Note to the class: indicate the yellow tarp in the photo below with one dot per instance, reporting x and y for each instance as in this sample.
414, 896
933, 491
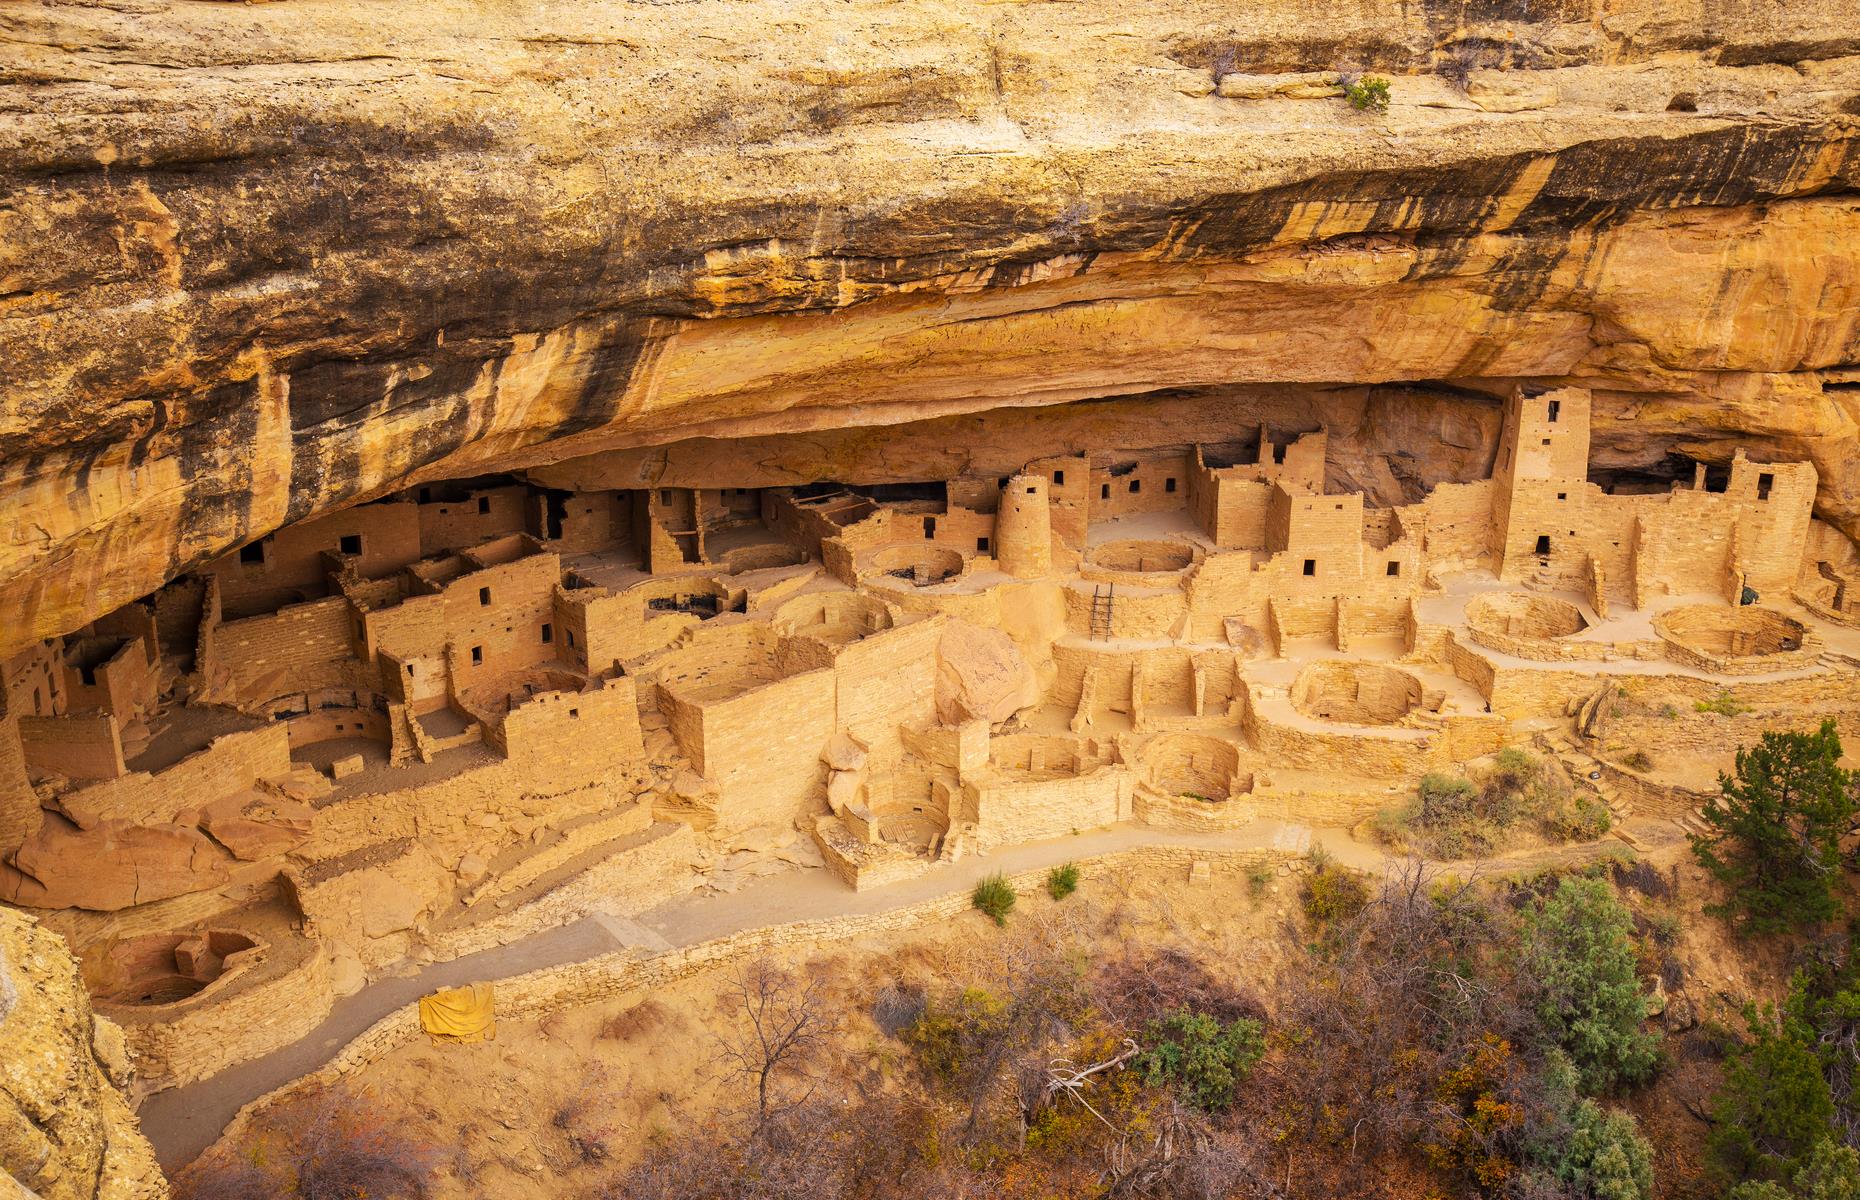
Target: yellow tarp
459, 1014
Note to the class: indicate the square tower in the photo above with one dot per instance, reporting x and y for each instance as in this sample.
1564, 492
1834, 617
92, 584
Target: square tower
1540, 483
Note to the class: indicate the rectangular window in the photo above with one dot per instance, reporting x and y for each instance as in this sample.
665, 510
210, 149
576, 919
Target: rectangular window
571, 639
1394, 569
1543, 545
1764, 482
1168, 485
1546, 441
484, 505
1562, 495
1104, 491
1059, 479
409, 668
253, 555
351, 543
548, 633
929, 527
665, 495
1556, 406
477, 656
1136, 485
981, 545
1311, 566
1032, 490
484, 595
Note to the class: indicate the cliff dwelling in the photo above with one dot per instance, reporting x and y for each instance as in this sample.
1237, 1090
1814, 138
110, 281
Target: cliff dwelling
418, 725
555, 503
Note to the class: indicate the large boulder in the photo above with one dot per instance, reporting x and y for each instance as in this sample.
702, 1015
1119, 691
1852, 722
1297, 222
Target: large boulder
981, 675
112, 865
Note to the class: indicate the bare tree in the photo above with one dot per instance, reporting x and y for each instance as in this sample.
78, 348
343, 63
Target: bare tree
780, 1021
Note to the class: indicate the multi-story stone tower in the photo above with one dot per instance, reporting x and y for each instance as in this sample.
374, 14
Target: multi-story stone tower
1024, 528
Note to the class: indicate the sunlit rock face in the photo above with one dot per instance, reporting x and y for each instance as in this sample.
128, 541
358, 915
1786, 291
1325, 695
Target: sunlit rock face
257, 262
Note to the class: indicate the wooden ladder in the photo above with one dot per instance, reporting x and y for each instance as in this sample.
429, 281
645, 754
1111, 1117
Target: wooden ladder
1102, 600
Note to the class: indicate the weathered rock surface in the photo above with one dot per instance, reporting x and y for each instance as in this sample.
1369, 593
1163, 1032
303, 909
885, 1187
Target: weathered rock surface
981, 675
260, 261
66, 1132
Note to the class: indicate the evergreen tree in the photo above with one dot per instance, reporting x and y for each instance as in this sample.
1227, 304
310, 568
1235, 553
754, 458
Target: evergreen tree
1579, 962
1776, 829
1832, 1173
1774, 1107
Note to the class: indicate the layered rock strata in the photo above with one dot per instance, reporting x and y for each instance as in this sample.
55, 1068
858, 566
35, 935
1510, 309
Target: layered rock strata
257, 262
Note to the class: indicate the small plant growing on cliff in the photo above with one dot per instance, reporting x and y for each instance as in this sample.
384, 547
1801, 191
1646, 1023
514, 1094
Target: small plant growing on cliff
1332, 893
1637, 760
1724, 704
994, 896
1366, 93
1062, 881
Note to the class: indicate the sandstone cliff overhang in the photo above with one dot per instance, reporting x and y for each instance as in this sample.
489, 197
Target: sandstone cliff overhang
257, 262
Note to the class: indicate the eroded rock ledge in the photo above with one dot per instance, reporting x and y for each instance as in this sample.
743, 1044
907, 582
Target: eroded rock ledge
257, 262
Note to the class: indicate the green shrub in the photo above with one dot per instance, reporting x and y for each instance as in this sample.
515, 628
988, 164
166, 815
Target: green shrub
1394, 827
1509, 785
1445, 800
994, 896
1200, 1057
1578, 964
1332, 893
1602, 1155
949, 1033
1062, 881
1366, 92
1577, 817
1724, 704
1637, 760
1668, 711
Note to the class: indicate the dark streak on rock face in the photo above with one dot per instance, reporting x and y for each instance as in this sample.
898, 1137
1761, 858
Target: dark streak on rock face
334, 405
213, 451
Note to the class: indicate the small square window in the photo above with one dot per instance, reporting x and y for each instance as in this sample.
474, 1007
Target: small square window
1394, 569
484, 505
1311, 566
1059, 479
1546, 441
1562, 495
1136, 485
1032, 490
1168, 485
484, 595
477, 656
981, 545
253, 555
574, 714
351, 543
548, 633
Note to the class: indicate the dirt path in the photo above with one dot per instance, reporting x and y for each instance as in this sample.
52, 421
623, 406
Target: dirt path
182, 1122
